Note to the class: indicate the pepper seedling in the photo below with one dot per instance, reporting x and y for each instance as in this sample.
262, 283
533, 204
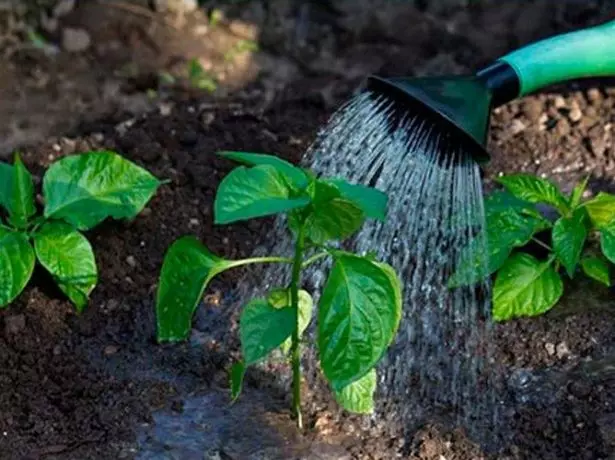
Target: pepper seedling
79, 192
359, 309
524, 285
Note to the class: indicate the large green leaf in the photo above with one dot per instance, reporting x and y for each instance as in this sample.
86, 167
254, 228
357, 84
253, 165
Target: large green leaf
68, 256
503, 201
601, 209
372, 202
507, 228
535, 190
569, 234
280, 298
525, 286
358, 317
16, 264
187, 269
295, 177
334, 220
358, 397
6, 185
263, 328
247, 193
329, 216
478, 260
607, 241
22, 198
597, 269
86, 189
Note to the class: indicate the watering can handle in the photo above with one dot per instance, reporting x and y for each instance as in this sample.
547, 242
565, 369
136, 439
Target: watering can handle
584, 53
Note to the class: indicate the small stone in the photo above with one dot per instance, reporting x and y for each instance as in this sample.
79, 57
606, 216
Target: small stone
194, 222
57, 350
75, 40
165, 109
562, 127
532, 109
559, 102
550, 347
594, 95
63, 7
562, 350
130, 260
517, 126
575, 113
244, 30
111, 350
146, 212
14, 324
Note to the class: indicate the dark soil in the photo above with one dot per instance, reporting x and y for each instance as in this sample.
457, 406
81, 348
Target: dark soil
83, 386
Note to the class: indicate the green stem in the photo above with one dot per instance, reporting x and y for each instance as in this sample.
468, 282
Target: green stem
540, 243
310, 260
295, 347
259, 260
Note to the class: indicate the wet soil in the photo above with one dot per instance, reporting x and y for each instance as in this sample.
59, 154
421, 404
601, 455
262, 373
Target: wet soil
97, 385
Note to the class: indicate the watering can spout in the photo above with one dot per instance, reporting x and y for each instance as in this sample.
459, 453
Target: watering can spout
462, 104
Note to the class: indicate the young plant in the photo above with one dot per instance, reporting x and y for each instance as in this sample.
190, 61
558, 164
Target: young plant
200, 78
79, 192
524, 285
359, 309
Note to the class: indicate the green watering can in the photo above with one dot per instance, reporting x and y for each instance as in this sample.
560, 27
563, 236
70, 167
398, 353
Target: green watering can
461, 105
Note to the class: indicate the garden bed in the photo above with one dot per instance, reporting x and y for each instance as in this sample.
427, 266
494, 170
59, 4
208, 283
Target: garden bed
98, 386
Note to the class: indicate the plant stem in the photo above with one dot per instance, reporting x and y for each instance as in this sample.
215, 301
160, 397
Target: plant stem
546, 246
309, 261
259, 260
295, 347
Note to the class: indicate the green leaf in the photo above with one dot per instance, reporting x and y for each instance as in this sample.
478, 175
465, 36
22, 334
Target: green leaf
478, 260
597, 269
256, 192
358, 397
358, 318
535, 190
502, 201
6, 185
86, 189
329, 216
296, 178
263, 328
187, 269
280, 298
22, 197
601, 209
336, 219
525, 287
16, 264
238, 370
607, 241
577, 193
569, 234
68, 256
507, 226
372, 202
